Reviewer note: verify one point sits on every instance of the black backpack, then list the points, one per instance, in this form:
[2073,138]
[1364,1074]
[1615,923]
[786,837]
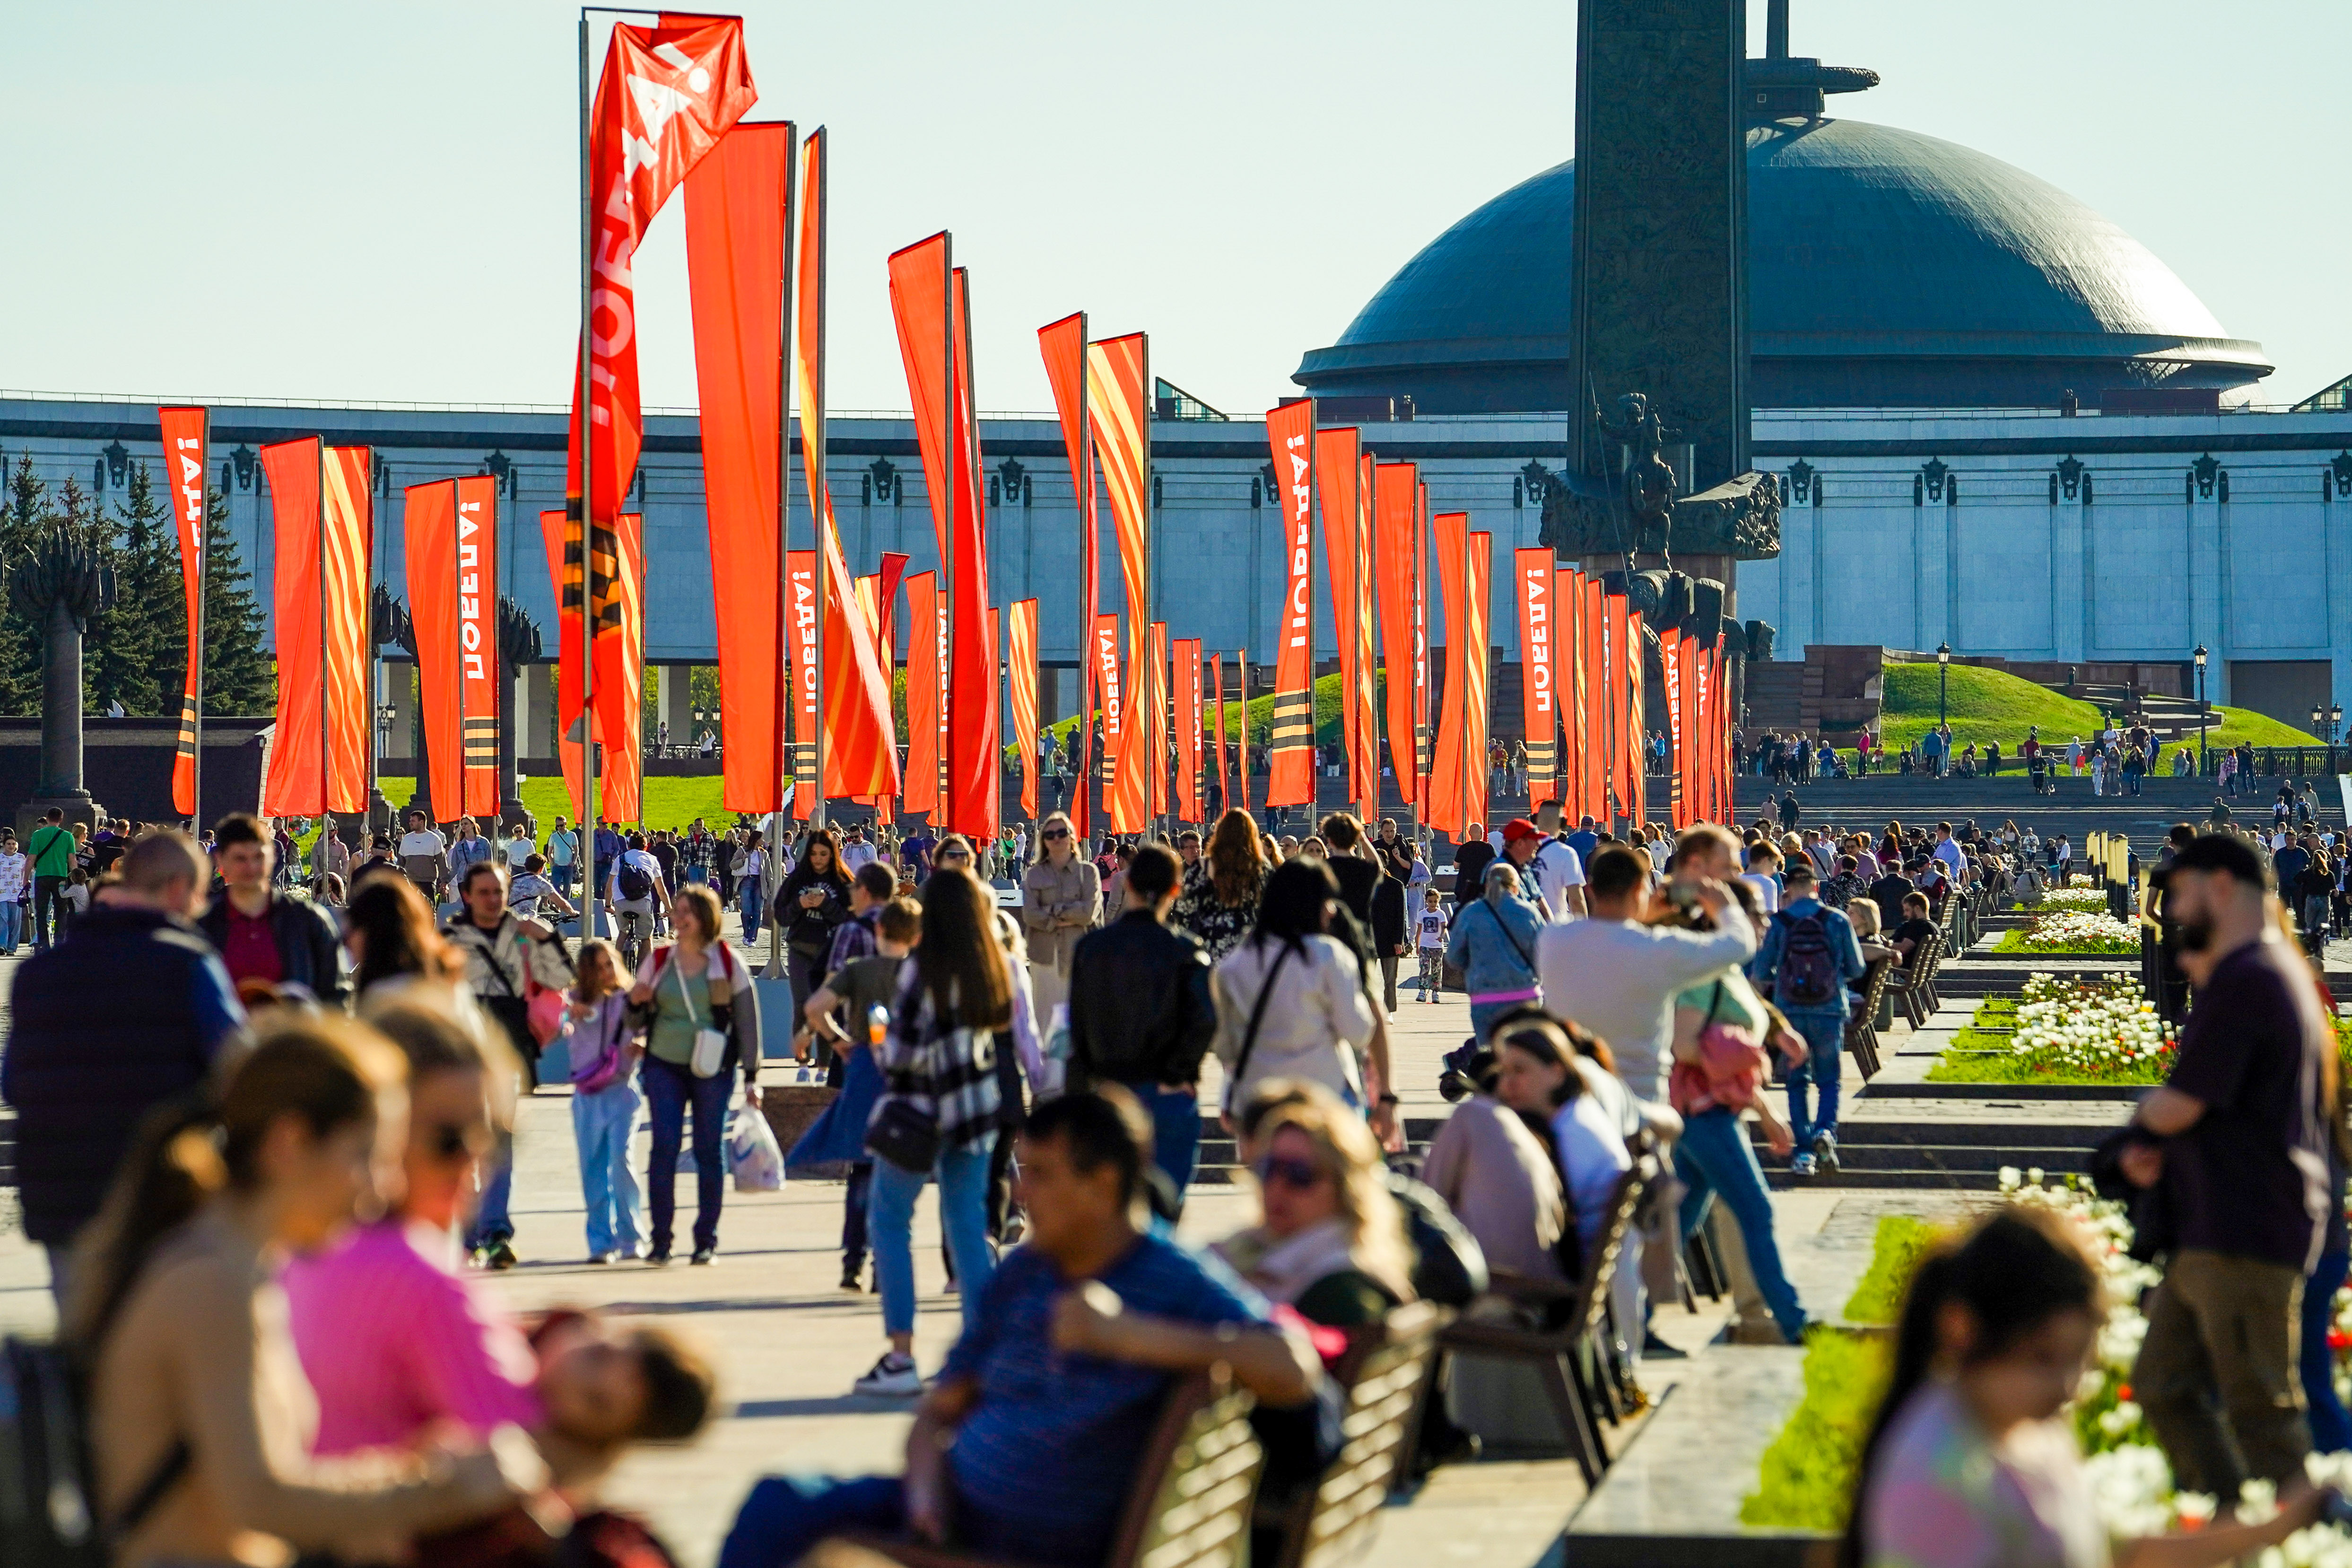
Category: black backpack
[49,1491]
[1807,975]
[632,883]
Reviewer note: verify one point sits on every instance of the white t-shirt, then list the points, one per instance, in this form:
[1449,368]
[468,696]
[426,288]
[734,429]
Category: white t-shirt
[1592,1155]
[1432,928]
[1557,870]
[423,841]
[644,861]
[1768,891]
[858,855]
[519,850]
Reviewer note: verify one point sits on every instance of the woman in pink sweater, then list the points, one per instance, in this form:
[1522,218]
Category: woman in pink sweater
[392,1334]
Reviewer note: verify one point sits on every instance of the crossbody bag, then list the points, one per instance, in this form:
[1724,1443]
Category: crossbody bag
[1249,1035]
[709,1044]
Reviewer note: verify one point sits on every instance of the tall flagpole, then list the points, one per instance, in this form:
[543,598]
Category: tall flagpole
[812,443]
[943,816]
[789,752]
[1155,782]
[989,770]
[326,724]
[1085,816]
[587,508]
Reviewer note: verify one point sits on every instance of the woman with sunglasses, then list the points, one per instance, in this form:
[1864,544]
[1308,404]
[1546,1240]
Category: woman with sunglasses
[1330,1240]
[1061,901]
[392,1334]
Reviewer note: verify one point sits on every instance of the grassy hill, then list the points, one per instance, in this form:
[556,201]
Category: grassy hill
[1994,705]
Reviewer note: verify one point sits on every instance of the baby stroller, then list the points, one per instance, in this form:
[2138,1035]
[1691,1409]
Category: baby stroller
[2042,780]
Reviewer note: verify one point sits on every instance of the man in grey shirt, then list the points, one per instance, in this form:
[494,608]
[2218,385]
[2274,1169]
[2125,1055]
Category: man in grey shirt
[1619,977]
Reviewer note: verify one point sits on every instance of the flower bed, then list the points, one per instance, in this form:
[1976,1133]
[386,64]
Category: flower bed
[2064,1030]
[2071,930]
[1807,1477]
[2075,900]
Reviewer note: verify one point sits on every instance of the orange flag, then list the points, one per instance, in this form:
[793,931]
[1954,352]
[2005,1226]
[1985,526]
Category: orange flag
[1395,494]
[799,634]
[738,207]
[1116,804]
[1021,677]
[1477,655]
[483,691]
[1669,669]
[1217,696]
[1290,434]
[1448,797]
[1538,706]
[1154,729]
[620,674]
[1241,742]
[1062,345]
[347,520]
[1118,389]
[1187,686]
[430,524]
[298,774]
[921,791]
[185,433]
[1567,635]
[1631,763]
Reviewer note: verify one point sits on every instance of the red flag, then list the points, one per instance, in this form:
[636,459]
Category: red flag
[1669,669]
[667,94]
[1593,674]
[297,782]
[1117,803]
[1021,676]
[555,535]
[1364,751]
[921,791]
[1448,792]
[1395,494]
[1567,641]
[430,524]
[975,741]
[1118,389]
[1217,696]
[738,204]
[1187,686]
[347,524]
[1154,729]
[482,689]
[1290,432]
[186,432]
[1064,346]
[1538,693]
[1241,741]
[621,684]
[1421,716]
[800,632]
[1631,763]
[1702,734]
[1337,466]
[1477,653]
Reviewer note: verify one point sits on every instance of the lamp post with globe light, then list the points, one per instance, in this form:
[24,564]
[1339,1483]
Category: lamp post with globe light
[2203,712]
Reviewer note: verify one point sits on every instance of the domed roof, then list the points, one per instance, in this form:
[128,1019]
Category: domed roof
[1885,267]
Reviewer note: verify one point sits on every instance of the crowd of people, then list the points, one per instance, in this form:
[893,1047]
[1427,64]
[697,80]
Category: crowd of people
[261,1175]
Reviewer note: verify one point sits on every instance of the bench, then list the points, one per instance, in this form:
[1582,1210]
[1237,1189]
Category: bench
[1908,984]
[1189,1505]
[1572,1359]
[1861,1028]
[1387,1372]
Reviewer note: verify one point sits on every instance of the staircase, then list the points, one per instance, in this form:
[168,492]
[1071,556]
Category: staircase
[1949,1152]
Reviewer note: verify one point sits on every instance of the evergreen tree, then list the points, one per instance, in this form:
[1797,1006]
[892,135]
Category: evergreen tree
[24,518]
[132,653]
[240,677]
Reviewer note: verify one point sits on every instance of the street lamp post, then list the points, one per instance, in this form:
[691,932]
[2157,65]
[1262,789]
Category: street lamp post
[2203,711]
[1943,707]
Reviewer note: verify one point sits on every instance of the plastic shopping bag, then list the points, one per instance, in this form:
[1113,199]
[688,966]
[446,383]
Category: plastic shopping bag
[753,1156]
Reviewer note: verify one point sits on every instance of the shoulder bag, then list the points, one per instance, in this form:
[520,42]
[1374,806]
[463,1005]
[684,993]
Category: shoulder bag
[1249,1035]
[709,1044]
[902,1132]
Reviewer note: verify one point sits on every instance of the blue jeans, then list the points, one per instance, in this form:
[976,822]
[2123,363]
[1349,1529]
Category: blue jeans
[1825,1032]
[2331,1429]
[1715,1160]
[12,924]
[670,1089]
[1175,1131]
[491,1222]
[854,1207]
[601,1123]
[785,1517]
[963,1174]
[751,909]
[49,911]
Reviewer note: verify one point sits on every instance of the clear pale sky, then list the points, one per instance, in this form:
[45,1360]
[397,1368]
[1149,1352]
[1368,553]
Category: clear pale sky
[380,201]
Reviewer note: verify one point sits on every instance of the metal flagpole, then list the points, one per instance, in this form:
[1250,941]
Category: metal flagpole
[326,726]
[789,750]
[943,817]
[587,728]
[813,447]
[989,768]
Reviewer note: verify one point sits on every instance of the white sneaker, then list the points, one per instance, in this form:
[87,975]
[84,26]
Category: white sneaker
[893,1376]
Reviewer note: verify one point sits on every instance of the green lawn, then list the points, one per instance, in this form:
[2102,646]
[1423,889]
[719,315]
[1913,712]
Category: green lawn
[671,801]
[1994,705]
[1806,1477]
[1261,713]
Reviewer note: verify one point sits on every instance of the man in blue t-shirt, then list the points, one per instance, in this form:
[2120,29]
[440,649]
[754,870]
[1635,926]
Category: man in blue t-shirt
[1026,1445]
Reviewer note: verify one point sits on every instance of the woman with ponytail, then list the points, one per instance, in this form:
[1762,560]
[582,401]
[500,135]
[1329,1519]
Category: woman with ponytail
[201,1419]
[1972,1461]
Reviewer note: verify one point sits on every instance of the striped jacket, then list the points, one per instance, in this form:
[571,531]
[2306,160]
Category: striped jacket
[948,1071]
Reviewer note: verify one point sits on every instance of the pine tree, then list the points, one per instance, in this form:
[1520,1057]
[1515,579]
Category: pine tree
[128,651]
[240,678]
[24,518]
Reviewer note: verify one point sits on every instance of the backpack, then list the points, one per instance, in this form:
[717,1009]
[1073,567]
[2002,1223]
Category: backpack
[48,1490]
[634,885]
[1808,977]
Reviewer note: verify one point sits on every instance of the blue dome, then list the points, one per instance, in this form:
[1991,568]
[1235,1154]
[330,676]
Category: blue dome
[1884,268]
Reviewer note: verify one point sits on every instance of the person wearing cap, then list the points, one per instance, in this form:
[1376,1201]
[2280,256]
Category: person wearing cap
[1521,839]
[1558,869]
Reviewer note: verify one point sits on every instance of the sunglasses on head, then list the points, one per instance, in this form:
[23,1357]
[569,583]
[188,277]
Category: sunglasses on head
[1297,1175]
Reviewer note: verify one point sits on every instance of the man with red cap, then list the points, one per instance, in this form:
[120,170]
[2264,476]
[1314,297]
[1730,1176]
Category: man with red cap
[1521,839]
